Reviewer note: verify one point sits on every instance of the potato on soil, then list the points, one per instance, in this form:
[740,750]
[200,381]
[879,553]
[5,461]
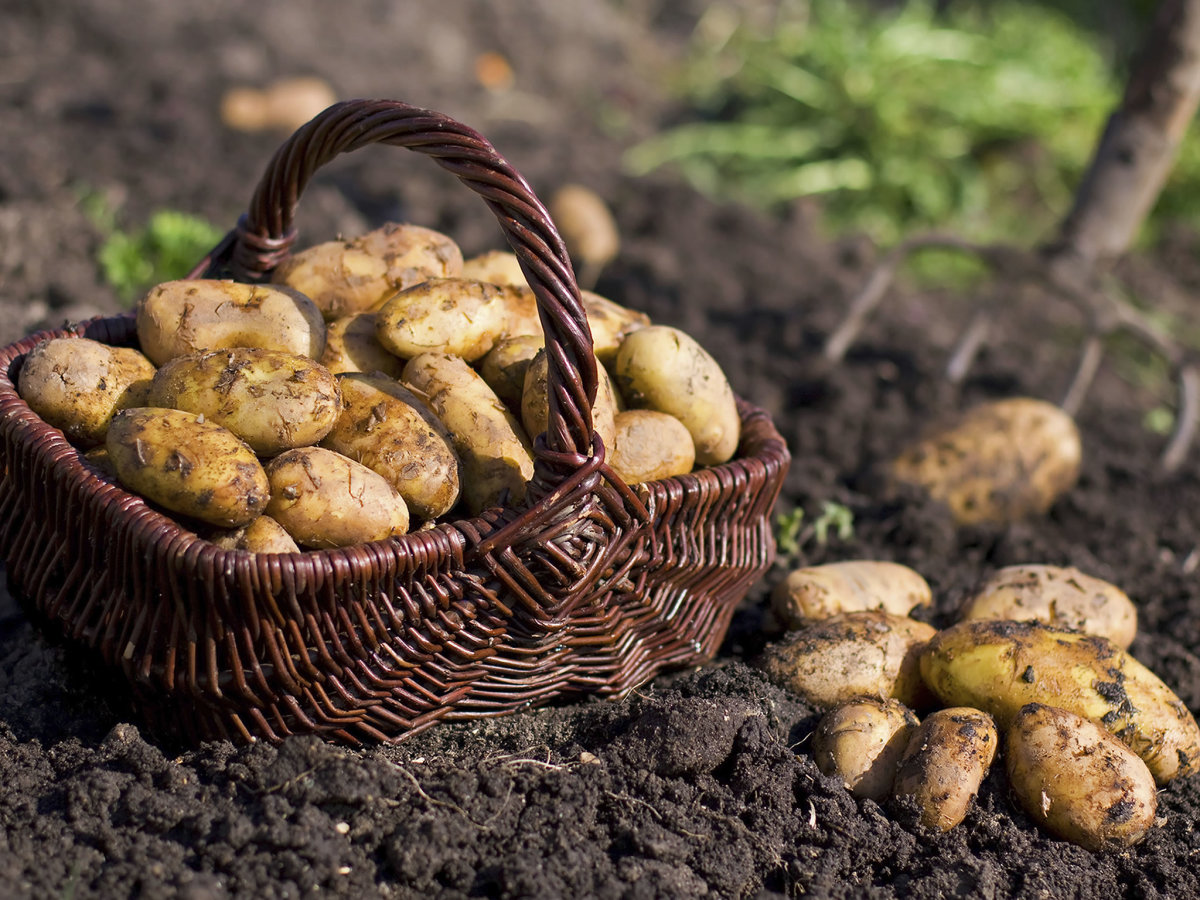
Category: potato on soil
[263,535]
[351,346]
[1077,780]
[324,500]
[495,267]
[863,654]
[188,465]
[999,462]
[273,401]
[505,365]
[818,592]
[497,462]
[587,227]
[389,430]
[610,323]
[347,277]
[650,445]
[1056,595]
[181,317]
[535,404]
[999,666]
[446,315]
[861,742]
[944,764]
[77,384]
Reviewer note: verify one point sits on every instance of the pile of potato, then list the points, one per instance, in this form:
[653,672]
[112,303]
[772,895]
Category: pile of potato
[1038,659]
[378,385]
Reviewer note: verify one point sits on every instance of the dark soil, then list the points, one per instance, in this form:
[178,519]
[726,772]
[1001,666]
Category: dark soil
[697,785]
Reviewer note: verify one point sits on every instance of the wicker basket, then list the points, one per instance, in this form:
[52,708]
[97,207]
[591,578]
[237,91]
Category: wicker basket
[590,587]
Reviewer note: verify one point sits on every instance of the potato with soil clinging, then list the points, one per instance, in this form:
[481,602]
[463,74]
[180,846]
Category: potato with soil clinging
[505,365]
[273,401]
[263,535]
[77,384]
[535,404]
[497,462]
[999,462]
[999,666]
[610,323]
[351,346]
[190,466]
[818,592]
[650,445]
[863,654]
[324,500]
[347,277]
[862,742]
[495,267]
[446,315]
[180,317]
[944,764]
[1077,780]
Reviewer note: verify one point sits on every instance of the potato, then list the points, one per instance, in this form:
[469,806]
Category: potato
[495,267]
[1058,596]
[180,317]
[496,458]
[587,227]
[1077,780]
[324,500]
[535,405]
[446,315]
[389,430]
[178,460]
[999,666]
[862,742]
[999,462]
[347,277]
[650,445]
[944,764]
[263,535]
[77,384]
[351,346]
[610,323]
[661,368]
[273,401]
[863,654]
[505,365]
[818,592]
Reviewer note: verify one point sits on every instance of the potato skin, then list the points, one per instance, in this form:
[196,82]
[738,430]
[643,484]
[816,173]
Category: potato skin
[1077,780]
[445,315]
[535,404]
[273,401]
[351,346]
[188,465]
[505,365]
[650,445]
[862,742]
[77,384]
[610,323]
[818,592]
[263,535]
[495,267]
[944,764]
[999,666]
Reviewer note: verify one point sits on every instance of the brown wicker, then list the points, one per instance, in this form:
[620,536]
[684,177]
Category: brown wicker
[590,587]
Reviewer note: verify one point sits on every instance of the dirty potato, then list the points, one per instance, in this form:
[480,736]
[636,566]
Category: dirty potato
[610,323]
[535,404]
[351,346]
[862,742]
[263,535]
[587,227]
[650,445]
[495,267]
[505,365]
[818,592]
[446,315]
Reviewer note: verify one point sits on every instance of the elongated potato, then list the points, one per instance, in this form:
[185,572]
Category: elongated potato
[862,742]
[505,365]
[535,404]
[999,666]
[944,764]
[446,315]
[495,267]
[190,466]
[1059,596]
[77,385]
[263,535]
[497,462]
[180,317]
[351,346]
[273,401]
[610,323]
[650,445]
[818,592]
[1077,780]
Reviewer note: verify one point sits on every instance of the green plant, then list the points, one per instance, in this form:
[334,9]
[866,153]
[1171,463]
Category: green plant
[791,532]
[835,516]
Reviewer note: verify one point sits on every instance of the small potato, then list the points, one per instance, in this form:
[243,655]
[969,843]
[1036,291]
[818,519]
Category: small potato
[505,365]
[188,465]
[1059,596]
[1000,462]
[77,384]
[1077,780]
[181,317]
[944,764]
[347,277]
[351,346]
[650,445]
[818,592]
[445,315]
[862,742]
[324,500]
[999,666]
[610,323]
[587,227]
[535,405]
[863,654]
[263,535]
[495,267]
[273,401]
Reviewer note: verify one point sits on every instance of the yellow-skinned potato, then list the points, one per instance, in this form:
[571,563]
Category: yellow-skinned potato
[351,346]
[190,466]
[862,742]
[77,384]
[180,317]
[273,401]
[446,315]
[610,323]
[1077,780]
[495,267]
[864,654]
[263,535]
[1056,595]
[944,764]
[535,405]
[659,367]
[505,365]
[999,666]
[497,462]
[818,592]
[650,445]
[999,462]
[587,227]
[389,430]
[347,277]
[324,500]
